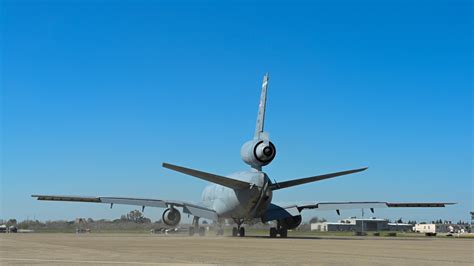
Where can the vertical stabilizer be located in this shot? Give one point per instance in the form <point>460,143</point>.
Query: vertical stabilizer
<point>261,110</point>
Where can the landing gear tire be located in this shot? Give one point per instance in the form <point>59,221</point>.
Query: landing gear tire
<point>283,232</point>
<point>202,231</point>
<point>242,232</point>
<point>191,231</point>
<point>235,231</point>
<point>273,232</point>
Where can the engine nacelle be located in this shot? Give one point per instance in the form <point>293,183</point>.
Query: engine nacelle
<point>171,217</point>
<point>290,222</point>
<point>258,153</point>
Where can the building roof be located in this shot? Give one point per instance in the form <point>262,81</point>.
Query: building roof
<point>365,219</point>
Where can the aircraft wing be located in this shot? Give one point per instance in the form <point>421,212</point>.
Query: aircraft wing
<point>275,212</point>
<point>189,208</point>
<point>369,205</point>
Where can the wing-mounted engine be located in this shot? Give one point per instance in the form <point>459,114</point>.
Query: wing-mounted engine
<point>171,217</point>
<point>290,222</point>
<point>258,153</point>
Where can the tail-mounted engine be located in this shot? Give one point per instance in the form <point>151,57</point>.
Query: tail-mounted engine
<point>258,153</point>
<point>171,217</point>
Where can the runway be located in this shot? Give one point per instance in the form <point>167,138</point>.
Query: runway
<point>144,249</point>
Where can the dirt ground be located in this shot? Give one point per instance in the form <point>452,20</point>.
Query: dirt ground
<point>136,249</point>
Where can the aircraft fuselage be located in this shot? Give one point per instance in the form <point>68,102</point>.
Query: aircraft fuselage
<point>240,203</point>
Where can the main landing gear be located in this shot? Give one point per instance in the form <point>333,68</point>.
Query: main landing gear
<point>196,229</point>
<point>239,230</point>
<point>220,227</point>
<point>279,230</point>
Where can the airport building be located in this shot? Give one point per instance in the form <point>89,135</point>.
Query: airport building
<point>359,225</point>
<point>472,220</point>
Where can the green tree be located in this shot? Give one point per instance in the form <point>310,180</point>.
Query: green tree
<point>135,216</point>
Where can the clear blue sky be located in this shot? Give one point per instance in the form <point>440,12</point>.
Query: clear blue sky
<point>97,94</point>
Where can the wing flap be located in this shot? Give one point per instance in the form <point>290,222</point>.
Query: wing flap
<point>200,212</point>
<point>344,205</point>
<point>419,204</point>
<point>137,202</point>
<point>67,198</point>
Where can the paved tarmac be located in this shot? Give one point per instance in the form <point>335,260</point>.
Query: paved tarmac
<point>144,249</point>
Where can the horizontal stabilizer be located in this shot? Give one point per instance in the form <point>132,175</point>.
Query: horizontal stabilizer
<point>221,180</point>
<point>301,181</point>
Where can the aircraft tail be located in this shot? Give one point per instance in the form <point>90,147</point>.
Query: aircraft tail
<point>259,134</point>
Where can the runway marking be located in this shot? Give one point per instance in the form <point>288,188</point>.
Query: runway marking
<point>88,261</point>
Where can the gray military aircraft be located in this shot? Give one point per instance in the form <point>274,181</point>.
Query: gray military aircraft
<point>244,197</point>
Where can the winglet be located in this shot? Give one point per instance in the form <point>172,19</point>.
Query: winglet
<point>261,107</point>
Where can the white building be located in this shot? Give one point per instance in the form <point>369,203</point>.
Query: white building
<point>437,228</point>
<point>358,225</point>
<point>425,228</point>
